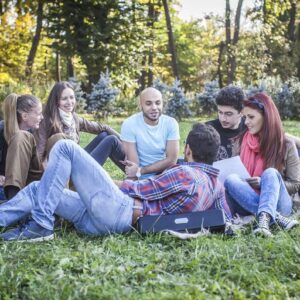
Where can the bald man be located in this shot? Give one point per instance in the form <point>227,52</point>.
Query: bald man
<point>150,139</point>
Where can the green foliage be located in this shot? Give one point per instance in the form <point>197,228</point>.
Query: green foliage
<point>276,17</point>
<point>105,34</point>
<point>16,33</point>
<point>127,104</point>
<point>39,90</point>
<point>14,44</point>
<point>253,58</point>
<point>286,95</point>
<point>160,85</point>
<point>80,95</point>
<point>196,49</point>
<point>124,37</point>
<point>205,101</point>
<point>102,98</point>
<point>178,106</point>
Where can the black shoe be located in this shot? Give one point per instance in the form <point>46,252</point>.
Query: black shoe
<point>229,230</point>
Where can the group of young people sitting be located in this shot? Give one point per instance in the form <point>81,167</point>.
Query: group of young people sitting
<point>42,154</point>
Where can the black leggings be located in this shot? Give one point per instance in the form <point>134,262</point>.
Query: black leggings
<point>104,146</point>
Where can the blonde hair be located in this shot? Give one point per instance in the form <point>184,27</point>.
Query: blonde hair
<point>13,106</point>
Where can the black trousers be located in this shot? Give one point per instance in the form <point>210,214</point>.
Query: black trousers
<point>104,146</point>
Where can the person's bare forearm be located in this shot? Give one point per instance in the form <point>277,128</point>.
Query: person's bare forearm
<point>118,183</point>
<point>158,166</point>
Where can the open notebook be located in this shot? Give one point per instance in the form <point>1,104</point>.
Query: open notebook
<point>229,166</point>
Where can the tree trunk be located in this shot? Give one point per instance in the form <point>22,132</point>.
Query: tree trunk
<point>142,78</point>
<point>172,49</point>
<point>18,7</point>
<point>150,24</point>
<point>298,57</point>
<point>265,11</point>
<point>70,67</point>
<point>57,66</point>
<point>4,5</point>
<point>150,72</point>
<point>231,43</point>
<point>146,77</point>
<point>228,40</point>
<point>237,22</point>
<point>227,23</point>
<point>219,72</point>
<point>292,22</point>
<point>291,30</point>
<point>36,39</point>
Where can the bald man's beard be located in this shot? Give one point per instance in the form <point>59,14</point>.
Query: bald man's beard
<point>152,117</point>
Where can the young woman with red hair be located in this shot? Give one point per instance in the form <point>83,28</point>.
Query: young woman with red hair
<point>272,161</point>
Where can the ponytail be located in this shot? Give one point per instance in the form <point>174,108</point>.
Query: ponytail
<point>13,106</point>
<point>11,126</point>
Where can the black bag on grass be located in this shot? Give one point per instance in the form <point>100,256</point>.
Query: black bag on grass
<point>213,219</point>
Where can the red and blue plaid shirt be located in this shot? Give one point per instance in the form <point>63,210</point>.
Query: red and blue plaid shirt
<point>186,187</point>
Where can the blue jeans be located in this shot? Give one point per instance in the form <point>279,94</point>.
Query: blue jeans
<point>273,195</point>
<point>104,146</point>
<point>98,207</point>
<point>2,195</point>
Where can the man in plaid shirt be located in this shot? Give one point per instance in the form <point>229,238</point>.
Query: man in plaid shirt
<point>100,205</point>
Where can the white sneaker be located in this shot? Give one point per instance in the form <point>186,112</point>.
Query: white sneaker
<point>263,226</point>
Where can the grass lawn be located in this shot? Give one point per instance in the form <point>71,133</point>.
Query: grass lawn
<point>152,267</point>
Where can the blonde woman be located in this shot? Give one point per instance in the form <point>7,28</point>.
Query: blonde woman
<point>22,117</point>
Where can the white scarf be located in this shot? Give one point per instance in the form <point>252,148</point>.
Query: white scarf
<point>66,117</point>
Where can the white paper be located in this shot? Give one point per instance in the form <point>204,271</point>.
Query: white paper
<point>232,165</point>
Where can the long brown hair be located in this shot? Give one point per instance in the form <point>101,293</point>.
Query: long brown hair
<point>51,112</point>
<point>272,138</point>
<point>13,106</point>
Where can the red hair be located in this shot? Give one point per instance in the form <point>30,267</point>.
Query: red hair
<point>272,139</point>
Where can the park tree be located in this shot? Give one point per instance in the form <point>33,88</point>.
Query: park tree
<point>80,95</point>
<point>15,36</point>
<point>103,96</point>
<point>279,31</point>
<point>147,62</point>
<point>178,105</point>
<point>21,52</point>
<point>231,41</point>
<point>171,42</point>
<point>101,33</point>
<point>36,38</point>
<point>206,100</point>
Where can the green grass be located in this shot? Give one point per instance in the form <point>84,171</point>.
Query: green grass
<point>152,267</point>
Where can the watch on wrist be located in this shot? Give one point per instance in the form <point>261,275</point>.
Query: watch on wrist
<point>138,173</point>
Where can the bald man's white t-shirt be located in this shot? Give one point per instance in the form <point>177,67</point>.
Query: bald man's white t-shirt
<point>151,141</point>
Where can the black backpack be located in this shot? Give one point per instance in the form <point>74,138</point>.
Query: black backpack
<point>3,149</point>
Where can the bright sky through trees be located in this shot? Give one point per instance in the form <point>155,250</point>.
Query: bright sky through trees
<point>197,8</point>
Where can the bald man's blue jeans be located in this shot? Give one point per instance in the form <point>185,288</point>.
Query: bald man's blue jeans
<point>98,207</point>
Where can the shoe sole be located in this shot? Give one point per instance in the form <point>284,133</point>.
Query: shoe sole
<point>262,232</point>
<point>36,240</point>
<point>291,225</point>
